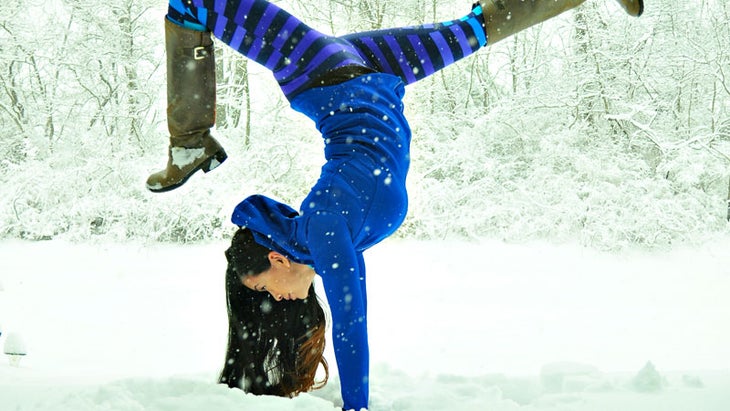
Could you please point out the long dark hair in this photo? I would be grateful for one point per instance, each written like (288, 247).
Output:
(274, 347)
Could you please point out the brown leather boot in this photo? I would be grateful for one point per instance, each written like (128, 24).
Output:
(503, 18)
(191, 95)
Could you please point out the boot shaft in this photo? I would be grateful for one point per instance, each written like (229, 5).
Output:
(191, 84)
(503, 18)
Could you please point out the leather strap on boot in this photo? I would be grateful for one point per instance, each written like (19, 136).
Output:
(197, 45)
(196, 53)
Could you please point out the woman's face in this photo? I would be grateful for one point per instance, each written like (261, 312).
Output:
(285, 280)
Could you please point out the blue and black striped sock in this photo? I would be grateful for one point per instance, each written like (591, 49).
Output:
(413, 53)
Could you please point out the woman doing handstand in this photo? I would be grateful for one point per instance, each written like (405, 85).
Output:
(352, 88)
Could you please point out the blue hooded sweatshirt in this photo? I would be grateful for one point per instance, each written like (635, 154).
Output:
(359, 200)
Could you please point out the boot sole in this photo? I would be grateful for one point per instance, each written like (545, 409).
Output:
(208, 165)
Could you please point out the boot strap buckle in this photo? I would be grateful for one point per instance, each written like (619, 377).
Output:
(200, 52)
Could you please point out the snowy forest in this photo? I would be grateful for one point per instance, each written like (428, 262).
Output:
(593, 128)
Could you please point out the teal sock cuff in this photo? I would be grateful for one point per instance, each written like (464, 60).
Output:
(188, 24)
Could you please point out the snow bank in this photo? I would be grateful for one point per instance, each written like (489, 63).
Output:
(457, 326)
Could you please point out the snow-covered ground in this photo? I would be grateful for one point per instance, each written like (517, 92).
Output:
(454, 326)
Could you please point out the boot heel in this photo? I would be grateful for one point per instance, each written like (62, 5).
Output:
(214, 161)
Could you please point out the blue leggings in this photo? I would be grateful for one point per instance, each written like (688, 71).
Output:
(299, 56)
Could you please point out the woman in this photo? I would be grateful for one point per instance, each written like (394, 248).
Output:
(352, 88)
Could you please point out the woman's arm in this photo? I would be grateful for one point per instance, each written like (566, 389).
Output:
(340, 266)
